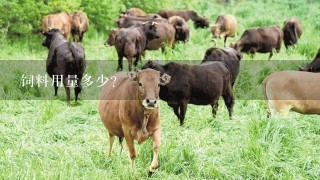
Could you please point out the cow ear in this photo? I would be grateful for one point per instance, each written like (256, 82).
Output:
(164, 79)
(133, 76)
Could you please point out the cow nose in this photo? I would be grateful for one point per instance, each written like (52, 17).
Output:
(151, 102)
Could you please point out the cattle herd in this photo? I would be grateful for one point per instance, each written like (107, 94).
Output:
(131, 110)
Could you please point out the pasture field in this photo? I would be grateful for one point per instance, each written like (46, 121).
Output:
(46, 139)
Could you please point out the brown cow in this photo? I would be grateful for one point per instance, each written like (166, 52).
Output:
(59, 21)
(134, 12)
(291, 32)
(199, 22)
(79, 25)
(131, 110)
(262, 40)
(164, 28)
(225, 26)
(292, 90)
(180, 25)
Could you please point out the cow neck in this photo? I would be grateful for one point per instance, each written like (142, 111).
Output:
(57, 41)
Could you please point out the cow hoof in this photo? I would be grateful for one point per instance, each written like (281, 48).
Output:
(152, 170)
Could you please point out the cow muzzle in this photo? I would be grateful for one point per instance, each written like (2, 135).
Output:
(150, 103)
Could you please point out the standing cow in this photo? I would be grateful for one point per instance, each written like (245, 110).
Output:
(131, 110)
(65, 62)
(79, 25)
(131, 42)
(314, 66)
(225, 26)
(195, 84)
(180, 25)
(291, 32)
(229, 56)
(59, 21)
(199, 22)
(292, 90)
(262, 40)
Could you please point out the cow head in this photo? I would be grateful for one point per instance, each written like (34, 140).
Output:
(150, 29)
(236, 45)
(201, 22)
(153, 65)
(215, 29)
(149, 82)
(112, 37)
(49, 36)
(314, 66)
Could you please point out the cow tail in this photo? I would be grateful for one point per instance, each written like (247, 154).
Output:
(78, 56)
(265, 81)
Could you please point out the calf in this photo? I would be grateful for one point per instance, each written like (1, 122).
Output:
(225, 26)
(314, 66)
(229, 56)
(64, 59)
(262, 40)
(79, 25)
(180, 25)
(57, 21)
(131, 42)
(199, 22)
(131, 110)
(292, 90)
(195, 84)
(291, 32)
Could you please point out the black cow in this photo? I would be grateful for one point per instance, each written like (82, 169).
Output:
(292, 31)
(195, 84)
(199, 22)
(64, 59)
(229, 56)
(131, 42)
(314, 66)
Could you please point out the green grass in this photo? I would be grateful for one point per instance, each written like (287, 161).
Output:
(46, 139)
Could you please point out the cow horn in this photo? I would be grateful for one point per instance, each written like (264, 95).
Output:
(300, 68)
(178, 27)
(145, 22)
(49, 28)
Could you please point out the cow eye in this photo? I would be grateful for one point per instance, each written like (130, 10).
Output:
(140, 84)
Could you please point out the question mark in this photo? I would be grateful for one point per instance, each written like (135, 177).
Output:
(115, 78)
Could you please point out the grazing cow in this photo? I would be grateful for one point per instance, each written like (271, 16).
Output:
(164, 28)
(225, 26)
(57, 21)
(292, 90)
(314, 66)
(199, 22)
(180, 25)
(195, 84)
(291, 32)
(79, 25)
(131, 42)
(134, 12)
(262, 40)
(131, 110)
(229, 56)
(65, 62)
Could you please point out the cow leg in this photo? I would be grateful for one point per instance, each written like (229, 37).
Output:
(130, 63)
(78, 89)
(271, 54)
(138, 57)
(229, 100)
(156, 136)
(111, 140)
(120, 141)
(130, 145)
(214, 106)
(176, 111)
(120, 60)
(55, 88)
(225, 40)
(81, 36)
(65, 84)
(183, 110)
